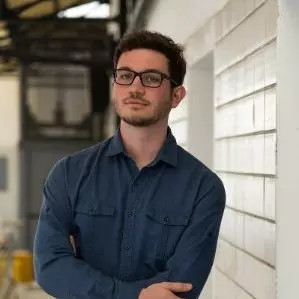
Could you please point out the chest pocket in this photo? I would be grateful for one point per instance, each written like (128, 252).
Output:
(92, 225)
(164, 230)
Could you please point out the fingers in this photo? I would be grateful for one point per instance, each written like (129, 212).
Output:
(73, 243)
(177, 286)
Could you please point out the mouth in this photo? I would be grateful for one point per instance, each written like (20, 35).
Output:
(135, 102)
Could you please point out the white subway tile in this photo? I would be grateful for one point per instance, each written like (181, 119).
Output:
(270, 109)
(218, 29)
(259, 70)
(225, 288)
(260, 238)
(232, 227)
(258, 2)
(270, 153)
(254, 276)
(258, 24)
(258, 146)
(226, 258)
(240, 78)
(253, 200)
(227, 17)
(228, 226)
(259, 112)
(270, 198)
(244, 116)
(235, 193)
(239, 229)
(270, 243)
(270, 63)
(243, 154)
(249, 6)
(249, 75)
(241, 117)
(271, 8)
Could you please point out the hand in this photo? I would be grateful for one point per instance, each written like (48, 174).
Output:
(164, 290)
(73, 243)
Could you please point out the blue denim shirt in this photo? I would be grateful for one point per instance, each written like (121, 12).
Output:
(132, 228)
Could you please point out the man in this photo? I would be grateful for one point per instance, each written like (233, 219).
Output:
(144, 213)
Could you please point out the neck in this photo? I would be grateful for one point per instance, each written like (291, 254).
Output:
(143, 143)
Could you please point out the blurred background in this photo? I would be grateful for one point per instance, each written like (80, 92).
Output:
(239, 118)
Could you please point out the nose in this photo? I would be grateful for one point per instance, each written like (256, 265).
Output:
(137, 84)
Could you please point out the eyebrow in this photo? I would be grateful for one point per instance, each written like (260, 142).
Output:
(146, 70)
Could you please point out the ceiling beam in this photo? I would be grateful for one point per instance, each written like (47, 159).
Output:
(100, 60)
(21, 8)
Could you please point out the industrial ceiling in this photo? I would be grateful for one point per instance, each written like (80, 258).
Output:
(34, 31)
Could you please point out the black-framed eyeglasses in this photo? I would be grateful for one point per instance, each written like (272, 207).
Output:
(149, 78)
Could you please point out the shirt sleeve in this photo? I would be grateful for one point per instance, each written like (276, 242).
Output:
(57, 269)
(195, 252)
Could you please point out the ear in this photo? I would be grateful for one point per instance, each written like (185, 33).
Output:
(178, 95)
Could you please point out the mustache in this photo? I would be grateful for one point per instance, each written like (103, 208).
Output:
(136, 96)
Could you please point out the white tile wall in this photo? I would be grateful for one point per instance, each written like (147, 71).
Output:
(270, 198)
(270, 63)
(270, 109)
(245, 104)
(232, 228)
(249, 154)
(247, 76)
(248, 115)
(226, 288)
(260, 238)
(251, 234)
(243, 39)
(257, 278)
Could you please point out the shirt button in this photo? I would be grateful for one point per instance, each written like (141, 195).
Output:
(127, 247)
(137, 183)
(130, 214)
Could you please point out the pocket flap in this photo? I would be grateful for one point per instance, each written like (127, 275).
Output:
(167, 218)
(96, 209)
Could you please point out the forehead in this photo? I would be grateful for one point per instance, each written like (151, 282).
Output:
(142, 59)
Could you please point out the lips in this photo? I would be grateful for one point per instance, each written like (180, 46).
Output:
(135, 102)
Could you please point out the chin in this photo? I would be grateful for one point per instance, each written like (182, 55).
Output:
(139, 122)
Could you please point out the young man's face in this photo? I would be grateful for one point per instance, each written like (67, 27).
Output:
(141, 105)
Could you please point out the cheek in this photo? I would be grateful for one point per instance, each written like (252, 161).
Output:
(118, 92)
(158, 95)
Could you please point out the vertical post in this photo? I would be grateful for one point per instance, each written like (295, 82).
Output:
(123, 17)
(23, 171)
(287, 188)
(123, 11)
(23, 99)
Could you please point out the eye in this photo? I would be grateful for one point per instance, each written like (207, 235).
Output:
(152, 77)
(124, 75)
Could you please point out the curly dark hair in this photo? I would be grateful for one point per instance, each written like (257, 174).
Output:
(145, 39)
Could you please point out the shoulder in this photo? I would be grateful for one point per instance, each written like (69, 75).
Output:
(74, 167)
(205, 179)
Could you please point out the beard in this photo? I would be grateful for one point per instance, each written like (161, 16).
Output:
(142, 119)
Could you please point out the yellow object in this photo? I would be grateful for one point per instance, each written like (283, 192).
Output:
(3, 267)
(22, 266)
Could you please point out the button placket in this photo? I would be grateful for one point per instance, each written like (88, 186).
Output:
(134, 193)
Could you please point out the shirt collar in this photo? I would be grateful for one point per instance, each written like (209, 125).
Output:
(168, 153)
